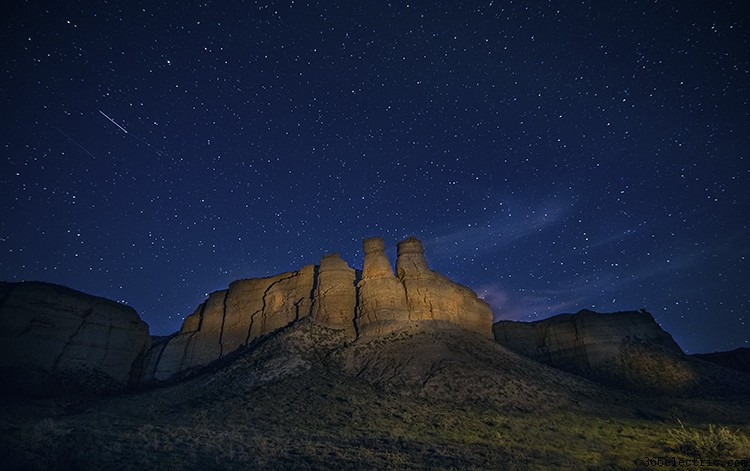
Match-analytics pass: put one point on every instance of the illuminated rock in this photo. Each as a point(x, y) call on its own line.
point(336, 294)
point(378, 304)
point(230, 319)
point(382, 298)
point(431, 296)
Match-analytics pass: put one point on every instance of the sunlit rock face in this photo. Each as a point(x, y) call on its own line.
point(57, 340)
point(333, 294)
point(431, 296)
point(382, 298)
point(625, 348)
point(335, 299)
point(230, 319)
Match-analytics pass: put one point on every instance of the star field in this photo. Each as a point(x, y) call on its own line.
point(553, 156)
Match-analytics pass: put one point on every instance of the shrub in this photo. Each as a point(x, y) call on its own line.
point(714, 442)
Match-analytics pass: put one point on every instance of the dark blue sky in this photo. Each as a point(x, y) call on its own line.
point(553, 156)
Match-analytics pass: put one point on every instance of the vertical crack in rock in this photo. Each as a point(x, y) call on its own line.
point(223, 319)
point(580, 342)
point(316, 273)
point(158, 357)
point(250, 327)
point(262, 310)
point(192, 334)
point(84, 317)
point(107, 350)
point(355, 317)
point(545, 344)
point(406, 294)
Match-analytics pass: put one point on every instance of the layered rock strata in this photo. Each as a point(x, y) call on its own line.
point(55, 339)
point(624, 348)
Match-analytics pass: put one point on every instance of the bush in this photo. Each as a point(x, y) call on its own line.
point(714, 442)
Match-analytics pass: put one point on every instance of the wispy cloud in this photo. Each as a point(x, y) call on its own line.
point(515, 305)
point(499, 232)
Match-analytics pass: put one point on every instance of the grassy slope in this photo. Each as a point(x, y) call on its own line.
point(314, 415)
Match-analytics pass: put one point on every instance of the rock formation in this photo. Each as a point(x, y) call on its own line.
point(377, 304)
point(382, 298)
point(55, 339)
point(738, 359)
point(335, 298)
point(624, 348)
point(231, 319)
point(432, 296)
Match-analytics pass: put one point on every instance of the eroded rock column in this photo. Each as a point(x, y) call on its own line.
point(336, 294)
point(432, 296)
point(382, 299)
point(411, 262)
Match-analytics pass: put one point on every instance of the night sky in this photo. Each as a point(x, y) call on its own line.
point(553, 156)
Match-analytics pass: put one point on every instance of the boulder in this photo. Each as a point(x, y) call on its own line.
point(54, 339)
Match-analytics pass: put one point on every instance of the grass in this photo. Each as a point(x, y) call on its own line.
point(321, 418)
point(712, 442)
point(342, 423)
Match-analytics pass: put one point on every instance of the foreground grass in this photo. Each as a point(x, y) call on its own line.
point(337, 423)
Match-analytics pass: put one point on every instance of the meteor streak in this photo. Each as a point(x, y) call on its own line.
point(113, 122)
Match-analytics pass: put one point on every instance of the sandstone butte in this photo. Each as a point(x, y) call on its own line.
point(371, 303)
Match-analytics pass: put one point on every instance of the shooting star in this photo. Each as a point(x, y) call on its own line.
point(74, 142)
point(113, 122)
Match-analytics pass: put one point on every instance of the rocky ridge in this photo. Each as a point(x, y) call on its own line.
point(367, 304)
point(623, 349)
point(53, 338)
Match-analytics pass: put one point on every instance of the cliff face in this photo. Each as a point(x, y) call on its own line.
point(232, 318)
point(432, 296)
point(332, 294)
point(54, 338)
point(382, 297)
point(625, 348)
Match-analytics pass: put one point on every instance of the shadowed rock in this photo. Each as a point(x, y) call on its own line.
point(738, 359)
point(625, 348)
point(57, 340)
